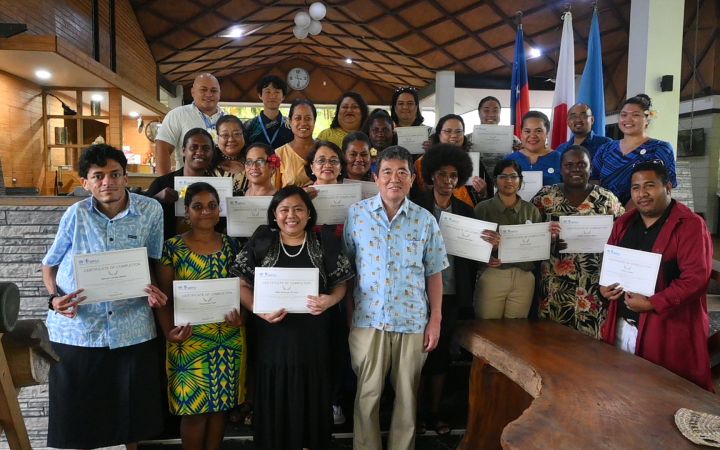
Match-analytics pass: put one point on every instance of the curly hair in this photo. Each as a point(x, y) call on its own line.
point(440, 155)
point(98, 155)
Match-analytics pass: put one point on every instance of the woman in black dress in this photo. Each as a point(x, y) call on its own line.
point(292, 397)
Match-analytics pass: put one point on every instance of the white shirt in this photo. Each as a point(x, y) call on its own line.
point(182, 119)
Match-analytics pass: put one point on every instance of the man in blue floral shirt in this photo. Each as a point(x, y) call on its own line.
point(105, 390)
point(399, 256)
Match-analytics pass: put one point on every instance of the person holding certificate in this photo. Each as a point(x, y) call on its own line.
point(292, 155)
point(569, 290)
point(227, 161)
point(670, 327)
point(447, 167)
point(293, 382)
point(357, 156)
point(536, 154)
point(197, 151)
point(505, 290)
point(205, 363)
point(106, 388)
point(405, 107)
point(351, 112)
point(450, 129)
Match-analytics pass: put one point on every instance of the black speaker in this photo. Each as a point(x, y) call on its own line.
point(666, 83)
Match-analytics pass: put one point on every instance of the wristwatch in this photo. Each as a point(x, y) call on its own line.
point(50, 299)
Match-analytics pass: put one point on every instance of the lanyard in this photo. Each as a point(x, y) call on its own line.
point(209, 125)
point(264, 130)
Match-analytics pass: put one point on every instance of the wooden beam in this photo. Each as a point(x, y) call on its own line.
point(11, 420)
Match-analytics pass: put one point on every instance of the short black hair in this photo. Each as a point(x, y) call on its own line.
point(435, 137)
point(406, 90)
point(197, 188)
point(229, 118)
point(195, 132)
point(654, 165)
point(359, 100)
point(377, 114)
point(440, 155)
point(395, 152)
point(98, 155)
point(282, 194)
point(311, 157)
point(536, 115)
point(273, 80)
point(576, 148)
point(489, 98)
point(266, 148)
point(302, 101)
point(355, 136)
point(504, 164)
point(217, 153)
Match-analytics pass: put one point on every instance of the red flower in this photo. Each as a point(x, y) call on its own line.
point(583, 304)
point(273, 161)
point(564, 267)
point(585, 206)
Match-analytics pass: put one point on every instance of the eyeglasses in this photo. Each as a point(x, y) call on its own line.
point(323, 161)
point(225, 136)
point(257, 162)
point(508, 177)
point(452, 132)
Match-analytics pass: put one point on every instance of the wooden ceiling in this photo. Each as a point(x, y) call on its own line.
point(391, 42)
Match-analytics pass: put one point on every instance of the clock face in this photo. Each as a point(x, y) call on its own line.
point(298, 79)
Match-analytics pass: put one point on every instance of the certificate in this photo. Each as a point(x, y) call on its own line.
point(532, 182)
point(493, 138)
point(333, 201)
point(223, 185)
point(412, 138)
point(198, 302)
point(523, 243)
point(245, 214)
point(279, 287)
point(636, 271)
point(463, 236)
point(368, 188)
point(475, 158)
point(114, 275)
point(585, 234)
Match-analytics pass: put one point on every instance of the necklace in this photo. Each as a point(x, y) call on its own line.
point(299, 251)
point(229, 158)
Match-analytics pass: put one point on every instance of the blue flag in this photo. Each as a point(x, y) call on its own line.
point(519, 89)
point(592, 89)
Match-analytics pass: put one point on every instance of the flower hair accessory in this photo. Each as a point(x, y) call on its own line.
point(273, 161)
point(651, 113)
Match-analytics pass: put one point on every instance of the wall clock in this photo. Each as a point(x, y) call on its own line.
point(298, 79)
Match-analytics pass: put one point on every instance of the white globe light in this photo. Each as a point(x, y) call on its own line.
point(317, 11)
point(302, 19)
point(315, 27)
point(300, 33)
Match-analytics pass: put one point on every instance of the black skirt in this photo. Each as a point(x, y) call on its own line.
point(101, 397)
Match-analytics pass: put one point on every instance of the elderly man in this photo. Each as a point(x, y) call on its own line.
point(580, 121)
point(669, 328)
point(399, 255)
point(105, 390)
point(203, 112)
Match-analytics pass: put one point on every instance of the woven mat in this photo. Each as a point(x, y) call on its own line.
point(700, 428)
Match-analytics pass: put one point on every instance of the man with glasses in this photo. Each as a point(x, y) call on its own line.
point(399, 256)
point(669, 328)
point(580, 121)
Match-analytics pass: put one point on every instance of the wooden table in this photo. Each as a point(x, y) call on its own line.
point(540, 385)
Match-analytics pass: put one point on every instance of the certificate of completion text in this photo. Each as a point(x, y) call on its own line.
point(463, 236)
point(276, 288)
point(114, 275)
point(523, 243)
point(198, 302)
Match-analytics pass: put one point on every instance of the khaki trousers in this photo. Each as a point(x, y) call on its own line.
point(504, 293)
point(372, 353)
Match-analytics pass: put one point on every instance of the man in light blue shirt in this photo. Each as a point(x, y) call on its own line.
point(399, 256)
point(105, 390)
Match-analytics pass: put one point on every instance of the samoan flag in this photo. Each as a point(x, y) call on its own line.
point(519, 90)
point(592, 91)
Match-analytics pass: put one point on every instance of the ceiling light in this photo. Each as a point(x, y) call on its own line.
point(348, 60)
point(96, 97)
point(43, 74)
point(233, 32)
point(534, 52)
point(134, 114)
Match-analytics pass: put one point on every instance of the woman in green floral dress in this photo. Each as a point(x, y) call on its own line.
point(569, 287)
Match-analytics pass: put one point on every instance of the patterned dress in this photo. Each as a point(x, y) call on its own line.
point(206, 372)
point(569, 290)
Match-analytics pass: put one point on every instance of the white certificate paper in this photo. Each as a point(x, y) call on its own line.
point(585, 234)
point(224, 186)
point(279, 287)
point(333, 201)
point(412, 138)
point(532, 182)
point(475, 158)
point(492, 138)
point(114, 275)
point(368, 188)
point(245, 214)
point(198, 302)
point(636, 271)
point(463, 236)
point(523, 243)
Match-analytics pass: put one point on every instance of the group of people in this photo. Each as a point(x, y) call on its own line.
point(389, 294)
